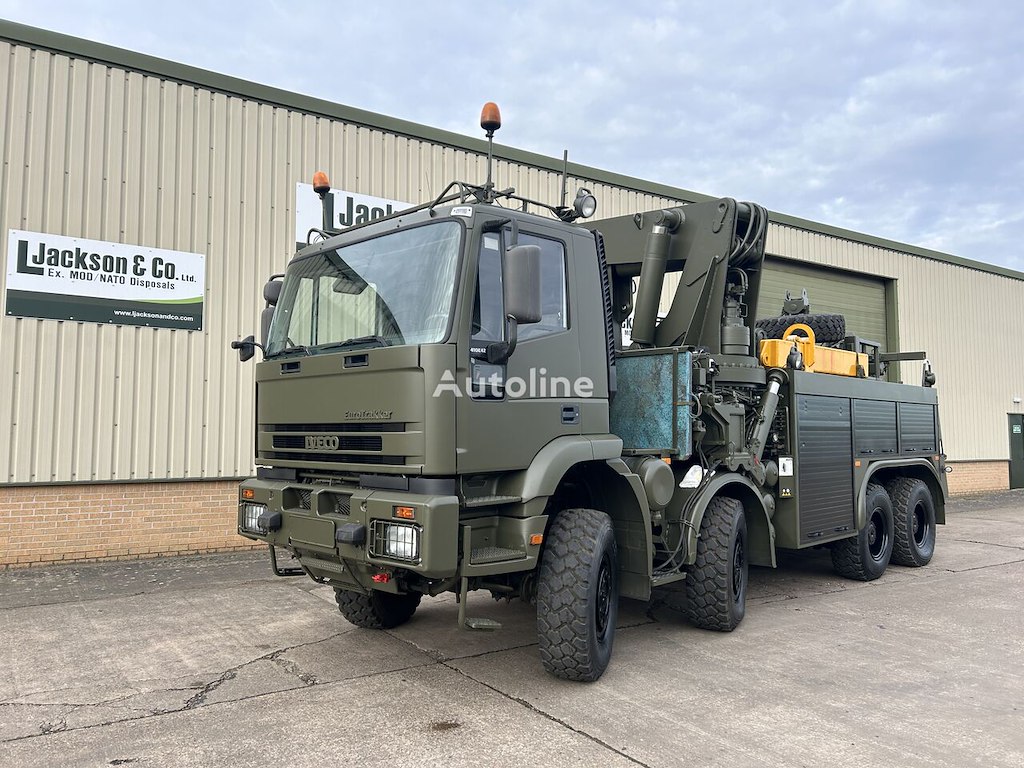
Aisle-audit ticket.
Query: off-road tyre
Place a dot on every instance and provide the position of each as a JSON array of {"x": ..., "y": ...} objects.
[
  {"x": 827, "y": 327},
  {"x": 864, "y": 557},
  {"x": 716, "y": 584},
  {"x": 913, "y": 513},
  {"x": 377, "y": 610},
  {"x": 578, "y": 595}
]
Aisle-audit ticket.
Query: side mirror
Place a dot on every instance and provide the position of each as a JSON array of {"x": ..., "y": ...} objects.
[
  {"x": 520, "y": 276},
  {"x": 246, "y": 348}
]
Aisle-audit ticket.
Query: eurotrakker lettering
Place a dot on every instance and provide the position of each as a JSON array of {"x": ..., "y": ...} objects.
[{"x": 369, "y": 414}]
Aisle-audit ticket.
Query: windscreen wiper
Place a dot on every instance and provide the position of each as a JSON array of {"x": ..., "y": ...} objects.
[
  {"x": 374, "y": 340},
  {"x": 293, "y": 348}
]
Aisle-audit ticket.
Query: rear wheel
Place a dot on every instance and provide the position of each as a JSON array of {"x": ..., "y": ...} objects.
[
  {"x": 377, "y": 610},
  {"x": 716, "y": 584},
  {"x": 578, "y": 595},
  {"x": 913, "y": 512},
  {"x": 865, "y": 556}
]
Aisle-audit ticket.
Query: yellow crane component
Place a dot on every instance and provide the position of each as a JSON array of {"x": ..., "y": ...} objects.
[{"x": 774, "y": 353}]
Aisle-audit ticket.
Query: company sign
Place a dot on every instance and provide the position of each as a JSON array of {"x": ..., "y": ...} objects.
[
  {"x": 345, "y": 209},
  {"x": 70, "y": 278}
]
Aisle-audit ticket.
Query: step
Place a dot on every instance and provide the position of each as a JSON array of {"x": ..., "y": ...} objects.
[
  {"x": 475, "y": 502},
  {"x": 484, "y": 555}
]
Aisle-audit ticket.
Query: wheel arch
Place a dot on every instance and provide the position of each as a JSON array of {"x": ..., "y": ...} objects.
[
  {"x": 588, "y": 471},
  {"x": 882, "y": 472},
  {"x": 760, "y": 531}
]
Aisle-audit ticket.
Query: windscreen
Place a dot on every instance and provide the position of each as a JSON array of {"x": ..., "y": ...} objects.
[{"x": 388, "y": 290}]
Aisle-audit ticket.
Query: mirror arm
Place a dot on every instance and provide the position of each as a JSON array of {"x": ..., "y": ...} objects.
[
  {"x": 247, "y": 348},
  {"x": 498, "y": 352},
  {"x": 512, "y": 334}
]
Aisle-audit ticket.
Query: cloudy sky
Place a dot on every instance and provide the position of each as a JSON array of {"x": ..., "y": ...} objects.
[{"x": 899, "y": 119}]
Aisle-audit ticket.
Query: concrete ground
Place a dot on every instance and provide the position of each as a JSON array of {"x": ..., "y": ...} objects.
[{"x": 213, "y": 661}]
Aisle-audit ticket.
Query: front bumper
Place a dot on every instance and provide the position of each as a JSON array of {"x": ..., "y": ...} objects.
[{"x": 364, "y": 538}]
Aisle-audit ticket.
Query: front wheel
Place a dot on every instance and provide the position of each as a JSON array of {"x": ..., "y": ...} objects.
[
  {"x": 377, "y": 610},
  {"x": 716, "y": 584},
  {"x": 865, "y": 556},
  {"x": 578, "y": 595}
]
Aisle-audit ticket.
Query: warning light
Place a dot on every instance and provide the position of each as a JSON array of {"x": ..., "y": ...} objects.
[
  {"x": 381, "y": 578},
  {"x": 536, "y": 539},
  {"x": 490, "y": 117},
  {"x": 248, "y": 493},
  {"x": 321, "y": 184},
  {"x": 406, "y": 513}
]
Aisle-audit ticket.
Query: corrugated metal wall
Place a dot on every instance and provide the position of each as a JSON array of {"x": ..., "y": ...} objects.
[{"x": 96, "y": 151}]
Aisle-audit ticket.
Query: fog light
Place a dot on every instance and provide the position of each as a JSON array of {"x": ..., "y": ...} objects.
[
  {"x": 398, "y": 541},
  {"x": 249, "y": 517},
  {"x": 401, "y": 542}
]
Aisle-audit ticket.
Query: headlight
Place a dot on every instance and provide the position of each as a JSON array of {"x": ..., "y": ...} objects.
[
  {"x": 249, "y": 517},
  {"x": 398, "y": 541}
]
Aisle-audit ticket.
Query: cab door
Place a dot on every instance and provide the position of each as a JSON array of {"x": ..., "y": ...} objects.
[{"x": 512, "y": 410}]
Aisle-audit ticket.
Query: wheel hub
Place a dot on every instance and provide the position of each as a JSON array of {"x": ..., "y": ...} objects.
[
  {"x": 604, "y": 596},
  {"x": 877, "y": 535},
  {"x": 738, "y": 560},
  {"x": 920, "y": 525}
]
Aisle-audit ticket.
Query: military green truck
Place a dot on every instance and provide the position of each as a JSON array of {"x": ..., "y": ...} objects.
[{"x": 446, "y": 404}]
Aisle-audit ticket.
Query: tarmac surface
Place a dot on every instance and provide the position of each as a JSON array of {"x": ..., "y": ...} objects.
[{"x": 214, "y": 661}]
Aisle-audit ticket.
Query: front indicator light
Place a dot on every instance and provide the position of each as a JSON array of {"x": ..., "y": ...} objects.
[{"x": 398, "y": 541}]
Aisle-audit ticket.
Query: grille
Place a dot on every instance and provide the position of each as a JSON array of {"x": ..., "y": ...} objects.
[
  {"x": 296, "y": 498},
  {"x": 326, "y": 477},
  {"x": 334, "y": 503}
]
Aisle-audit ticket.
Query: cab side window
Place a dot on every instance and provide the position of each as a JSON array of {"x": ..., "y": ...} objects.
[
  {"x": 553, "y": 300},
  {"x": 488, "y": 305}
]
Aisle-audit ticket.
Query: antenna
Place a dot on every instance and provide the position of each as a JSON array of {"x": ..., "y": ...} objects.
[
  {"x": 565, "y": 176},
  {"x": 490, "y": 121}
]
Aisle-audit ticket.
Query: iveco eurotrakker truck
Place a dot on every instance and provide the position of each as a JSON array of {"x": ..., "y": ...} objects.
[{"x": 445, "y": 404}]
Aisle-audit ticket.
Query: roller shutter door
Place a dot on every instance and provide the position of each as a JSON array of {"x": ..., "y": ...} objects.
[{"x": 860, "y": 298}]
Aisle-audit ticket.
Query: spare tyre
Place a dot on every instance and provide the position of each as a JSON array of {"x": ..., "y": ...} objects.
[{"x": 827, "y": 327}]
